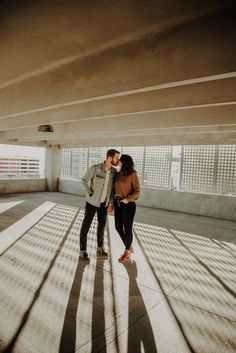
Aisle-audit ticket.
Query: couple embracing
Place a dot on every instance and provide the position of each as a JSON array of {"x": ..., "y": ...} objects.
[{"x": 111, "y": 185}]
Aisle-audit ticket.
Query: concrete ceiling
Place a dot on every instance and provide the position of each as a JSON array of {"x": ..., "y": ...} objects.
[{"x": 127, "y": 72}]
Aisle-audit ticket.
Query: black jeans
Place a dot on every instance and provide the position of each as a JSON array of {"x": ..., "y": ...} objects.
[
  {"x": 124, "y": 217},
  {"x": 90, "y": 211}
]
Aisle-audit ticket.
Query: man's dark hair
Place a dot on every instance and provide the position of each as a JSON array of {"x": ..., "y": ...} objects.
[{"x": 112, "y": 152}]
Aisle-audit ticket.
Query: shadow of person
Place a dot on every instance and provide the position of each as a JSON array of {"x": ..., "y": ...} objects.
[
  {"x": 140, "y": 335},
  {"x": 98, "y": 314},
  {"x": 68, "y": 336}
]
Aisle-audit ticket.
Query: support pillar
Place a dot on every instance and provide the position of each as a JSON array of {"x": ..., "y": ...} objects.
[{"x": 52, "y": 169}]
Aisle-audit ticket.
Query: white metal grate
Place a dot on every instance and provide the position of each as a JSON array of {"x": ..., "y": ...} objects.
[
  {"x": 226, "y": 169},
  {"x": 97, "y": 155},
  {"x": 207, "y": 168},
  {"x": 157, "y": 166},
  {"x": 65, "y": 166},
  {"x": 197, "y": 168},
  {"x": 79, "y": 162}
]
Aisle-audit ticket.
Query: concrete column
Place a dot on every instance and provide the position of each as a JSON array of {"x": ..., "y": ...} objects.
[{"x": 52, "y": 167}]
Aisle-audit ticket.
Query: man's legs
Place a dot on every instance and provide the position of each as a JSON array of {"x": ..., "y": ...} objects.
[
  {"x": 90, "y": 211},
  {"x": 102, "y": 218}
]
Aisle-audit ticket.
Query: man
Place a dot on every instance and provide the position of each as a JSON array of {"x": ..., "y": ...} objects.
[{"x": 98, "y": 184}]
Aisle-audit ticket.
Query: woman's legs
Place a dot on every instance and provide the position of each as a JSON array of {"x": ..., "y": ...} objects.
[
  {"x": 128, "y": 212},
  {"x": 119, "y": 221}
]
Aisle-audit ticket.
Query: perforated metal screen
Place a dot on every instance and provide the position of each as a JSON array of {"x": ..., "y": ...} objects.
[
  {"x": 204, "y": 168},
  {"x": 210, "y": 169},
  {"x": 65, "y": 166},
  {"x": 157, "y": 166},
  {"x": 226, "y": 169},
  {"x": 197, "y": 169},
  {"x": 97, "y": 155},
  {"x": 76, "y": 161},
  {"x": 79, "y": 162}
]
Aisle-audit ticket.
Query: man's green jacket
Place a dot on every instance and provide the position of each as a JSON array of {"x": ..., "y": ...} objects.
[{"x": 93, "y": 183}]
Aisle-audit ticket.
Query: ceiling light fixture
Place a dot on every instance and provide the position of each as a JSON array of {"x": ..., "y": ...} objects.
[{"x": 45, "y": 128}]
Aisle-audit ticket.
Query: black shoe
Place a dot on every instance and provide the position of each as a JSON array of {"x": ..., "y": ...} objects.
[
  {"x": 84, "y": 255},
  {"x": 102, "y": 251}
]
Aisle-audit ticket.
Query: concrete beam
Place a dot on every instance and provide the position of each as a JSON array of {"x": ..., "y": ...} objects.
[
  {"x": 42, "y": 143},
  {"x": 216, "y": 130},
  {"x": 147, "y": 133},
  {"x": 82, "y": 29},
  {"x": 202, "y": 48},
  {"x": 182, "y": 95},
  {"x": 221, "y": 115},
  {"x": 172, "y": 66},
  {"x": 113, "y": 139},
  {"x": 144, "y": 141}
]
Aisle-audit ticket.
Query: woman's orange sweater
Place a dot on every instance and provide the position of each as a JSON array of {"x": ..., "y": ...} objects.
[{"x": 127, "y": 186}]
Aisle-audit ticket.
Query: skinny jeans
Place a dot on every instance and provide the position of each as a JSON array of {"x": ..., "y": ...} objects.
[
  {"x": 124, "y": 217},
  {"x": 90, "y": 211}
]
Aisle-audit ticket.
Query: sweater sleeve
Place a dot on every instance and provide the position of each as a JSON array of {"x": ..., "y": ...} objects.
[{"x": 135, "y": 188}]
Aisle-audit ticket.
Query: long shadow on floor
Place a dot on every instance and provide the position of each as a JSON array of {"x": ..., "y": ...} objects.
[
  {"x": 141, "y": 334},
  {"x": 68, "y": 336},
  {"x": 98, "y": 316}
]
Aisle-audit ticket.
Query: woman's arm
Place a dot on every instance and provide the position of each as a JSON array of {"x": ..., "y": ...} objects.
[{"x": 135, "y": 188}]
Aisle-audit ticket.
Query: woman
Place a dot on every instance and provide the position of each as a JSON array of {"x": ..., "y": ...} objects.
[{"x": 126, "y": 191}]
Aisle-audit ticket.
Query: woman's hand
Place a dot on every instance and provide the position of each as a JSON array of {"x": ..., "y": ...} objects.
[{"x": 125, "y": 201}]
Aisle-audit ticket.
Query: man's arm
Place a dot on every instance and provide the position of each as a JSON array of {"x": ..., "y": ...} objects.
[{"x": 85, "y": 181}]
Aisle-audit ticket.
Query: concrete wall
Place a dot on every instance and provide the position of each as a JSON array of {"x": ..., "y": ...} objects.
[
  {"x": 218, "y": 206},
  {"x": 71, "y": 186},
  {"x": 11, "y": 186}
]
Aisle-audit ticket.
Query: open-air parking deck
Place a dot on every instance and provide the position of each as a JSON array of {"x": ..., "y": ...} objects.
[{"x": 177, "y": 294}]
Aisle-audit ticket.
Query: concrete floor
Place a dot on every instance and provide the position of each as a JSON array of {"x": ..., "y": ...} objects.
[{"x": 177, "y": 295}]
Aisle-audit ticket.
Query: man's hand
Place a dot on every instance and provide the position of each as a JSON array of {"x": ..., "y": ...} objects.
[
  {"x": 124, "y": 201},
  {"x": 109, "y": 209}
]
